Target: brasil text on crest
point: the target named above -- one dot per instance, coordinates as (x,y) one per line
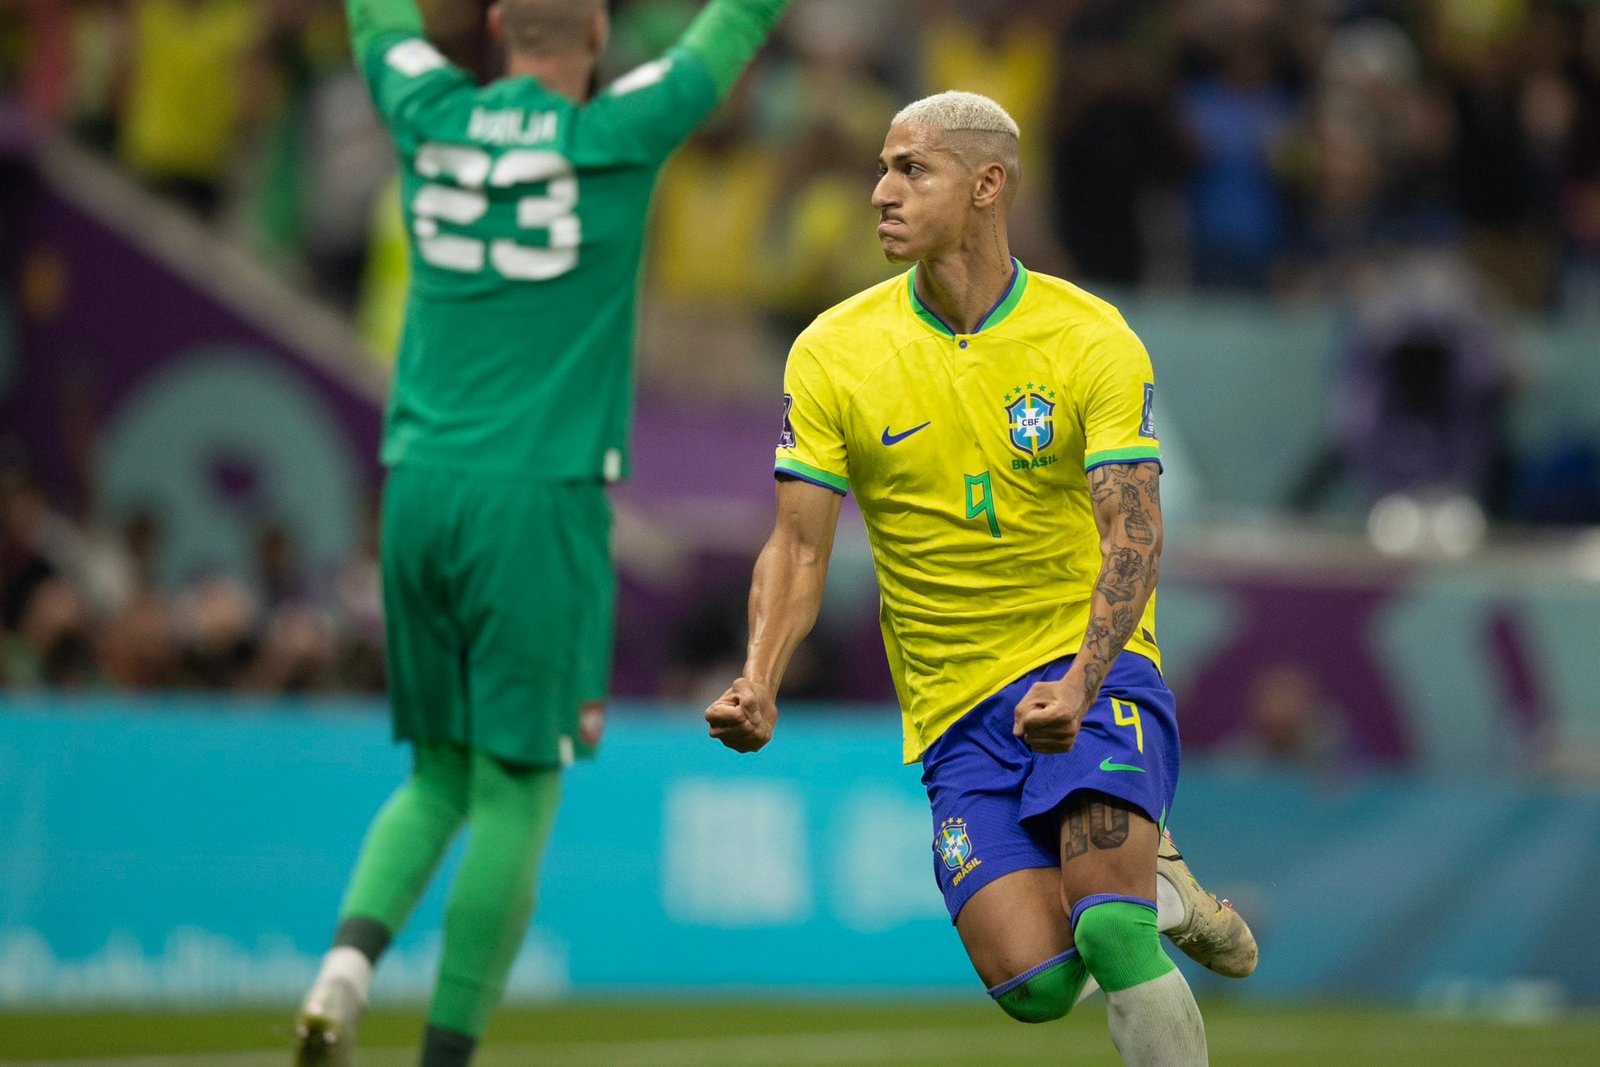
(1031,424)
(955,848)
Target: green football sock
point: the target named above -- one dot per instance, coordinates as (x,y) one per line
(512,811)
(407,839)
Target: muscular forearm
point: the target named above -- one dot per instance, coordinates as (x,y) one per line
(727,34)
(1126,497)
(369,18)
(785,596)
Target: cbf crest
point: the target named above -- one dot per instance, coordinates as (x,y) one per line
(954,846)
(1031,418)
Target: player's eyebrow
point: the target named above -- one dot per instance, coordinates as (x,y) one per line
(906,156)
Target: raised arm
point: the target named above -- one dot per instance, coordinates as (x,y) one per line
(727,34)
(785,595)
(1127,509)
(655,107)
(370,19)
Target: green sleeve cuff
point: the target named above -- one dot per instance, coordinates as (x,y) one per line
(371,19)
(814,475)
(1137,454)
(727,34)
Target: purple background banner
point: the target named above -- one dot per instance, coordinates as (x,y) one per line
(148,365)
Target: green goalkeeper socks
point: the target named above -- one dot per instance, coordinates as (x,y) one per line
(403,847)
(513,812)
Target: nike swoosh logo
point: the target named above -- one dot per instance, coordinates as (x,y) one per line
(1107,765)
(896,438)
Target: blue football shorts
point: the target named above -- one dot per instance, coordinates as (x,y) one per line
(997,804)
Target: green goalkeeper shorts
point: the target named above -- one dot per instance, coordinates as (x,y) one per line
(499,599)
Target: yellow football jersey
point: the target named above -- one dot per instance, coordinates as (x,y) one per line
(968,456)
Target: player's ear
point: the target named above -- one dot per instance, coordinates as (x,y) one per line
(497,25)
(599,30)
(989,185)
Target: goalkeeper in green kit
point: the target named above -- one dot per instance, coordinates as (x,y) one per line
(525,201)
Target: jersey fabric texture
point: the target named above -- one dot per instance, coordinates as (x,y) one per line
(991,794)
(968,455)
(527,216)
(498,612)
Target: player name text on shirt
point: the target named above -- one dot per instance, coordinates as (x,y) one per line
(511,126)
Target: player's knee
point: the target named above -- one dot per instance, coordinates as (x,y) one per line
(1119,942)
(1045,992)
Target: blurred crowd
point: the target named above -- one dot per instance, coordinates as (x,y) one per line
(1293,150)
(88,608)
(1288,147)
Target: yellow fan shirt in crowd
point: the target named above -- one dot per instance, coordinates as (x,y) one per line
(186,96)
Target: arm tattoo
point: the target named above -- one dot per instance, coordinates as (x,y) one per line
(1127,505)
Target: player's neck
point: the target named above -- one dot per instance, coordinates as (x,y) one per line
(564,75)
(963,287)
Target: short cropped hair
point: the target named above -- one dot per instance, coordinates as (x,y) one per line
(547,27)
(958,111)
(977,129)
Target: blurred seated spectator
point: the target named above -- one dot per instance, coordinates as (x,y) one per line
(1369,170)
(381,303)
(52,645)
(218,626)
(38,542)
(1113,147)
(138,647)
(358,609)
(1291,724)
(197,78)
(1421,404)
(711,209)
(1237,119)
(1578,189)
(280,578)
(296,654)
(823,242)
(1006,50)
(1481,49)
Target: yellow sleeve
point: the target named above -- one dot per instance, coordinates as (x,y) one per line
(812,444)
(1118,406)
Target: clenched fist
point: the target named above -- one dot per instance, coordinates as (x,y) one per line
(1049,714)
(742,718)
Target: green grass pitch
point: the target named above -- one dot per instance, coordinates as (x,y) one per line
(703,1033)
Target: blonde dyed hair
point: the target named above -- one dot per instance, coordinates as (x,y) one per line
(978,130)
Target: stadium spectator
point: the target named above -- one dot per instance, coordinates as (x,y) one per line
(138,648)
(1114,148)
(1370,174)
(52,645)
(1290,723)
(198,77)
(1237,117)
(1578,192)
(1422,399)
(218,621)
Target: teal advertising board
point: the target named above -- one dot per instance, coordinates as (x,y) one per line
(192,852)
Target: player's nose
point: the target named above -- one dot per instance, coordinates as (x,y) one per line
(883,196)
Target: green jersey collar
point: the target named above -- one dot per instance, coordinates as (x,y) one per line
(1005,306)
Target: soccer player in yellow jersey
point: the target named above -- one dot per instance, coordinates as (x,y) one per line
(995,426)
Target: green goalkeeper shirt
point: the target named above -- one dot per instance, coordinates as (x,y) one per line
(526,215)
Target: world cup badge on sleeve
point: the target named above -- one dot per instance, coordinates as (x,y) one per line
(786,437)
